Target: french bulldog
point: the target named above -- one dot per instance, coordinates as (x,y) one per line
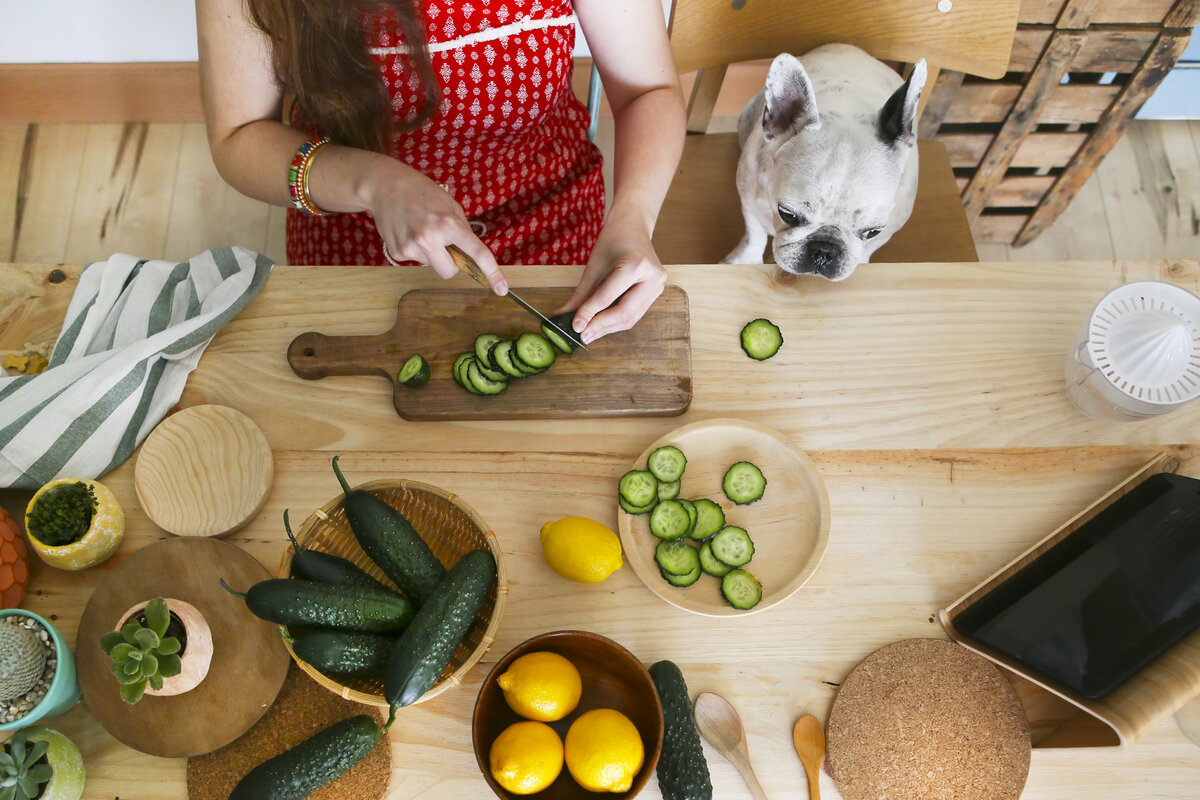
(828,163)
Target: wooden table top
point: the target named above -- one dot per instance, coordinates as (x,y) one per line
(929,396)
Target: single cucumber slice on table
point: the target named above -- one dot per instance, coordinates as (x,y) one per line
(667,463)
(670,520)
(710,564)
(638,488)
(761,339)
(732,546)
(710,518)
(741,589)
(534,350)
(414,372)
(676,557)
(744,483)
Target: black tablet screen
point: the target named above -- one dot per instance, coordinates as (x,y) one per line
(1107,599)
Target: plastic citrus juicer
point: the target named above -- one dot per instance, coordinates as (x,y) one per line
(1138,353)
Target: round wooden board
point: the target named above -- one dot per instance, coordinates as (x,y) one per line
(204,471)
(789,525)
(249,660)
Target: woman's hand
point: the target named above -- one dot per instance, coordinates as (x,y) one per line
(622,280)
(417,219)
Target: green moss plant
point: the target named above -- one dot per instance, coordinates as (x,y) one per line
(23,770)
(143,655)
(63,514)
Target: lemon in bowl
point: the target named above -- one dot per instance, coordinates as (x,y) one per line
(581,549)
(542,686)
(604,751)
(526,757)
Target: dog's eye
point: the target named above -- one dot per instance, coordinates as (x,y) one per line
(871,233)
(791,218)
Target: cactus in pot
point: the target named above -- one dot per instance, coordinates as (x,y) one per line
(143,655)
(22,660)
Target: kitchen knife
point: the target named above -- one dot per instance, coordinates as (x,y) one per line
(467,264)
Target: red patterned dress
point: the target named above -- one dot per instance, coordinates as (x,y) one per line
(510,141)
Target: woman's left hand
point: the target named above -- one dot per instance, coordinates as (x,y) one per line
(622,280)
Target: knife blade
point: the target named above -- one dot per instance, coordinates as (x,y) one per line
(467,264)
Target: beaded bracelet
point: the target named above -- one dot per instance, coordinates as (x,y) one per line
(298,177)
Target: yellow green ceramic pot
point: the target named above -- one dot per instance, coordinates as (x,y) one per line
(66,762)
(101,540)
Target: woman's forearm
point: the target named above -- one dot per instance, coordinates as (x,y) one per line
(649,132)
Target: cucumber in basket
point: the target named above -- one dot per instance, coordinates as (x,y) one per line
(390,540)
(292,601)
(297,773)
(343,652)
(314,565)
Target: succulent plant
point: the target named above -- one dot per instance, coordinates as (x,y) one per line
(22,659)
(21,776)
(63,514)
(143,655)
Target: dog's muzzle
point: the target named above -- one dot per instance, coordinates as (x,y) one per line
(823,256)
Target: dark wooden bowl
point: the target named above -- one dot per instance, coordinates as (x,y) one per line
(612,678)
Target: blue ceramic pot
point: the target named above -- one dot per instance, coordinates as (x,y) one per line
(64,688)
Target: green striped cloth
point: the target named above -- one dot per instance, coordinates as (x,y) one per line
(134,330)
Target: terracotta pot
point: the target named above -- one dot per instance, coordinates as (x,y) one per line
(101,540)
(197,653)
(14,572)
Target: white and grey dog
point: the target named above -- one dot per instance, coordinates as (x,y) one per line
(829,161)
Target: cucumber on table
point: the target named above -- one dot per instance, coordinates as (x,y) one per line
(421,654)
(761,339)
(292,601)
(682,770)
(314,565)
(390,540)
(343,652)
(296,773)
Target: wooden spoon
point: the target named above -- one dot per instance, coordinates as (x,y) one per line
(719,723)
(809,738)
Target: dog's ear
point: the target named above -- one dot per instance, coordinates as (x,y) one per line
(791,103)
(897,120)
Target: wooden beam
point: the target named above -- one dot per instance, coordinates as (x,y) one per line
(128,92)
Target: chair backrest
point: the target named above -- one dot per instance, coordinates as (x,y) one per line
(972,36)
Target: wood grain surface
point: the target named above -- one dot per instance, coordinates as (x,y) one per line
(645,371)
(249,661)
(203,471)
(929,396)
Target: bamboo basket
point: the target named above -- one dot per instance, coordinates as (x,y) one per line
(451,528)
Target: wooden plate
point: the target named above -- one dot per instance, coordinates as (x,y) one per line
(789,525)
(249,661)
(204,471)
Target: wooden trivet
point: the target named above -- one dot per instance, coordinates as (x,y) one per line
(302,709)
(927,718)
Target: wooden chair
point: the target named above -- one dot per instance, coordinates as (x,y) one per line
(701,219)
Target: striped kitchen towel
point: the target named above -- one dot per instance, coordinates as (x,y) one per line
(134,330)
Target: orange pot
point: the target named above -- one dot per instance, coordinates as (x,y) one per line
(14,571)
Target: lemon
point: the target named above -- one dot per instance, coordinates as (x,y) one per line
(604,751)
(542,685)
(526,757)
(581,549)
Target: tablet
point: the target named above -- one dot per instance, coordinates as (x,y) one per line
(1106,600)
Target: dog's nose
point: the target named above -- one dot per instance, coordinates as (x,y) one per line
(825,256)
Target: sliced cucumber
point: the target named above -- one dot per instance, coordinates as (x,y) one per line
(676,557)
(460,371)
(482,383)
(710,518)
(501,353)
(741,589)
(491,374)
(639,488)
(414,372)
(483,347)
(535,350)
(710,564)
(732,546)
(667,463)
(670,520)
(683,580)
(761,339)
(744,483)
(635,510)
(555,338)
(668,491)
(690,507)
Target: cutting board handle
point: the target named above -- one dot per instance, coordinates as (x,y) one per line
(314,355)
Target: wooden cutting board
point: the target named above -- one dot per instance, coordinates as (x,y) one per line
(646,371)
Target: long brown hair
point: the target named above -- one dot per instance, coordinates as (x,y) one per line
(320,56)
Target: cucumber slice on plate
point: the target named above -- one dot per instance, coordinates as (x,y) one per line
(635,510)
(761,339)
(668,491)
(683,580)
(744,483)
(710,518)
(638,488)
(741,589)
(414,372)
(676,557)
(667,463)
(732,546)
(690,507)
(670,520)
(710,564)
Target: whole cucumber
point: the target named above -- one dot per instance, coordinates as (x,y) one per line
(437,629)
(297,773)
(292,601)
(314,565)
(344,652)
(682,770)
(390,540)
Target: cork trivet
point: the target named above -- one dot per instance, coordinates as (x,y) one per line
(302,709)
(927,718)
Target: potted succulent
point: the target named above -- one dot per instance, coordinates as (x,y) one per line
(14,572)
(74,523)
(162,647)
(37,670)
(40,763)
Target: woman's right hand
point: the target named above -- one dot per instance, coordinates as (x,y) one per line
(417,219)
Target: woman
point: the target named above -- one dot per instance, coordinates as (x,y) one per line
(469,137)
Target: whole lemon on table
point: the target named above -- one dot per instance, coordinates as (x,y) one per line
(542,685)
(526,757)
(581,549)
(604,751)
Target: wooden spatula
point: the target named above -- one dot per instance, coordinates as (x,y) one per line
(809,738)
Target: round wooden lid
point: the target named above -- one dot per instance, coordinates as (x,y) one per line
(927,718)
(204,471)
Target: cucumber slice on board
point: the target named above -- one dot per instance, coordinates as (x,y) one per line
(744,483)
(483,346)
(414,372)
(761,339)
(535,350)
(501,353)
